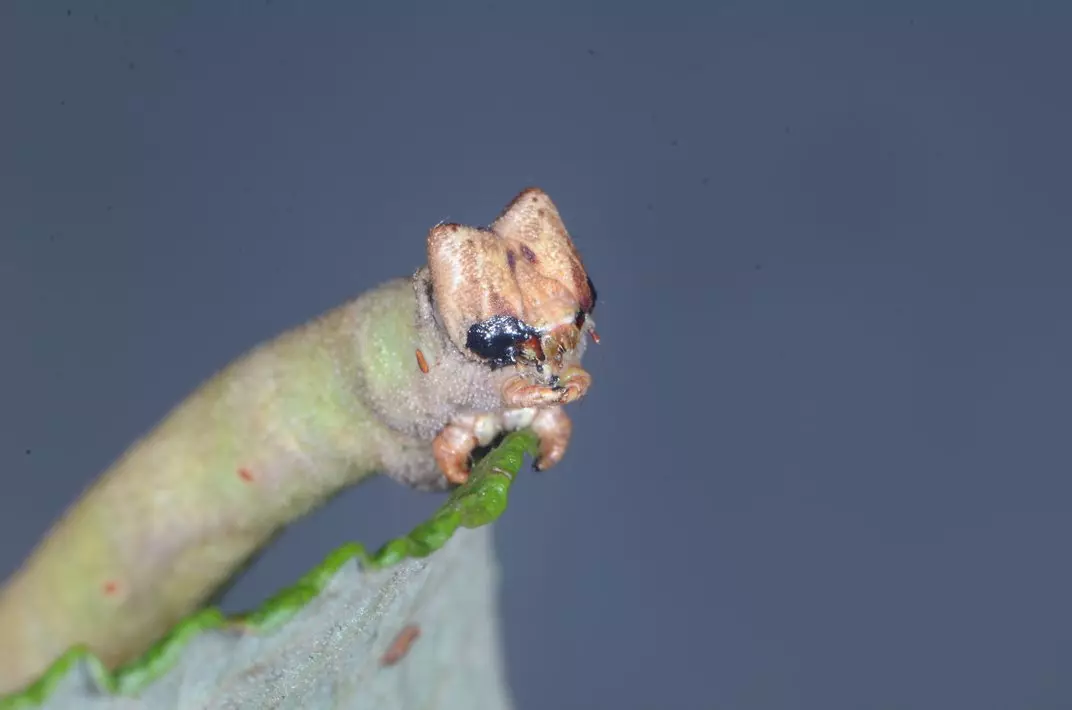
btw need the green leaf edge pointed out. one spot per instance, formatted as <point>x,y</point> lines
<point>477,502</point>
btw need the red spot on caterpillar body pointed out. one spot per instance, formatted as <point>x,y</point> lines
<point>401,645</point>
<point>245,474</point>
<point>421,362</point>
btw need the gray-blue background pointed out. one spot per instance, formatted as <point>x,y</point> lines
<point>825,463</point>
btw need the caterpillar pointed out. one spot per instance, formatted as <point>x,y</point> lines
<point>405,380</point>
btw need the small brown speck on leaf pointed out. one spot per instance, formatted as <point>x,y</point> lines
<point>401,645</point>
<point>421,362</point>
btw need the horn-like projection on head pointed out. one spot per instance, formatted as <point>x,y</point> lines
<point>514,282</point>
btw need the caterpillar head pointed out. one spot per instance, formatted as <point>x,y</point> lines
<point>514,294</point>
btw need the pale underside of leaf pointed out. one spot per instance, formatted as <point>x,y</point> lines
<point>321,643</point>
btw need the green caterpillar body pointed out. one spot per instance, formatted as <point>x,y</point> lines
<point>381,384</point>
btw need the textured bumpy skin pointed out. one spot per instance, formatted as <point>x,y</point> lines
<point>387,383</point>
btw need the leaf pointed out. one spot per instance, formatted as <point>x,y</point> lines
<point>320,642</point>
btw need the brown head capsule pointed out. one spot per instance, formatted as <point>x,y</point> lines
<point>514,293</point>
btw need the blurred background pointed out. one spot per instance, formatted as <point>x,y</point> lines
<point>825,461</point>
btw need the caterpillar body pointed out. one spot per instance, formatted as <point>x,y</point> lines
<point>405,380</point>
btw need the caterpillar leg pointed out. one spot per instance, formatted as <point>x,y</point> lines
<point>455,444</point>
<point>452,448</point>
<point>571,385</point>
<point>554,427</point>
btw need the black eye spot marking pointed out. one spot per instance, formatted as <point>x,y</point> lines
<point>498,338</point>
